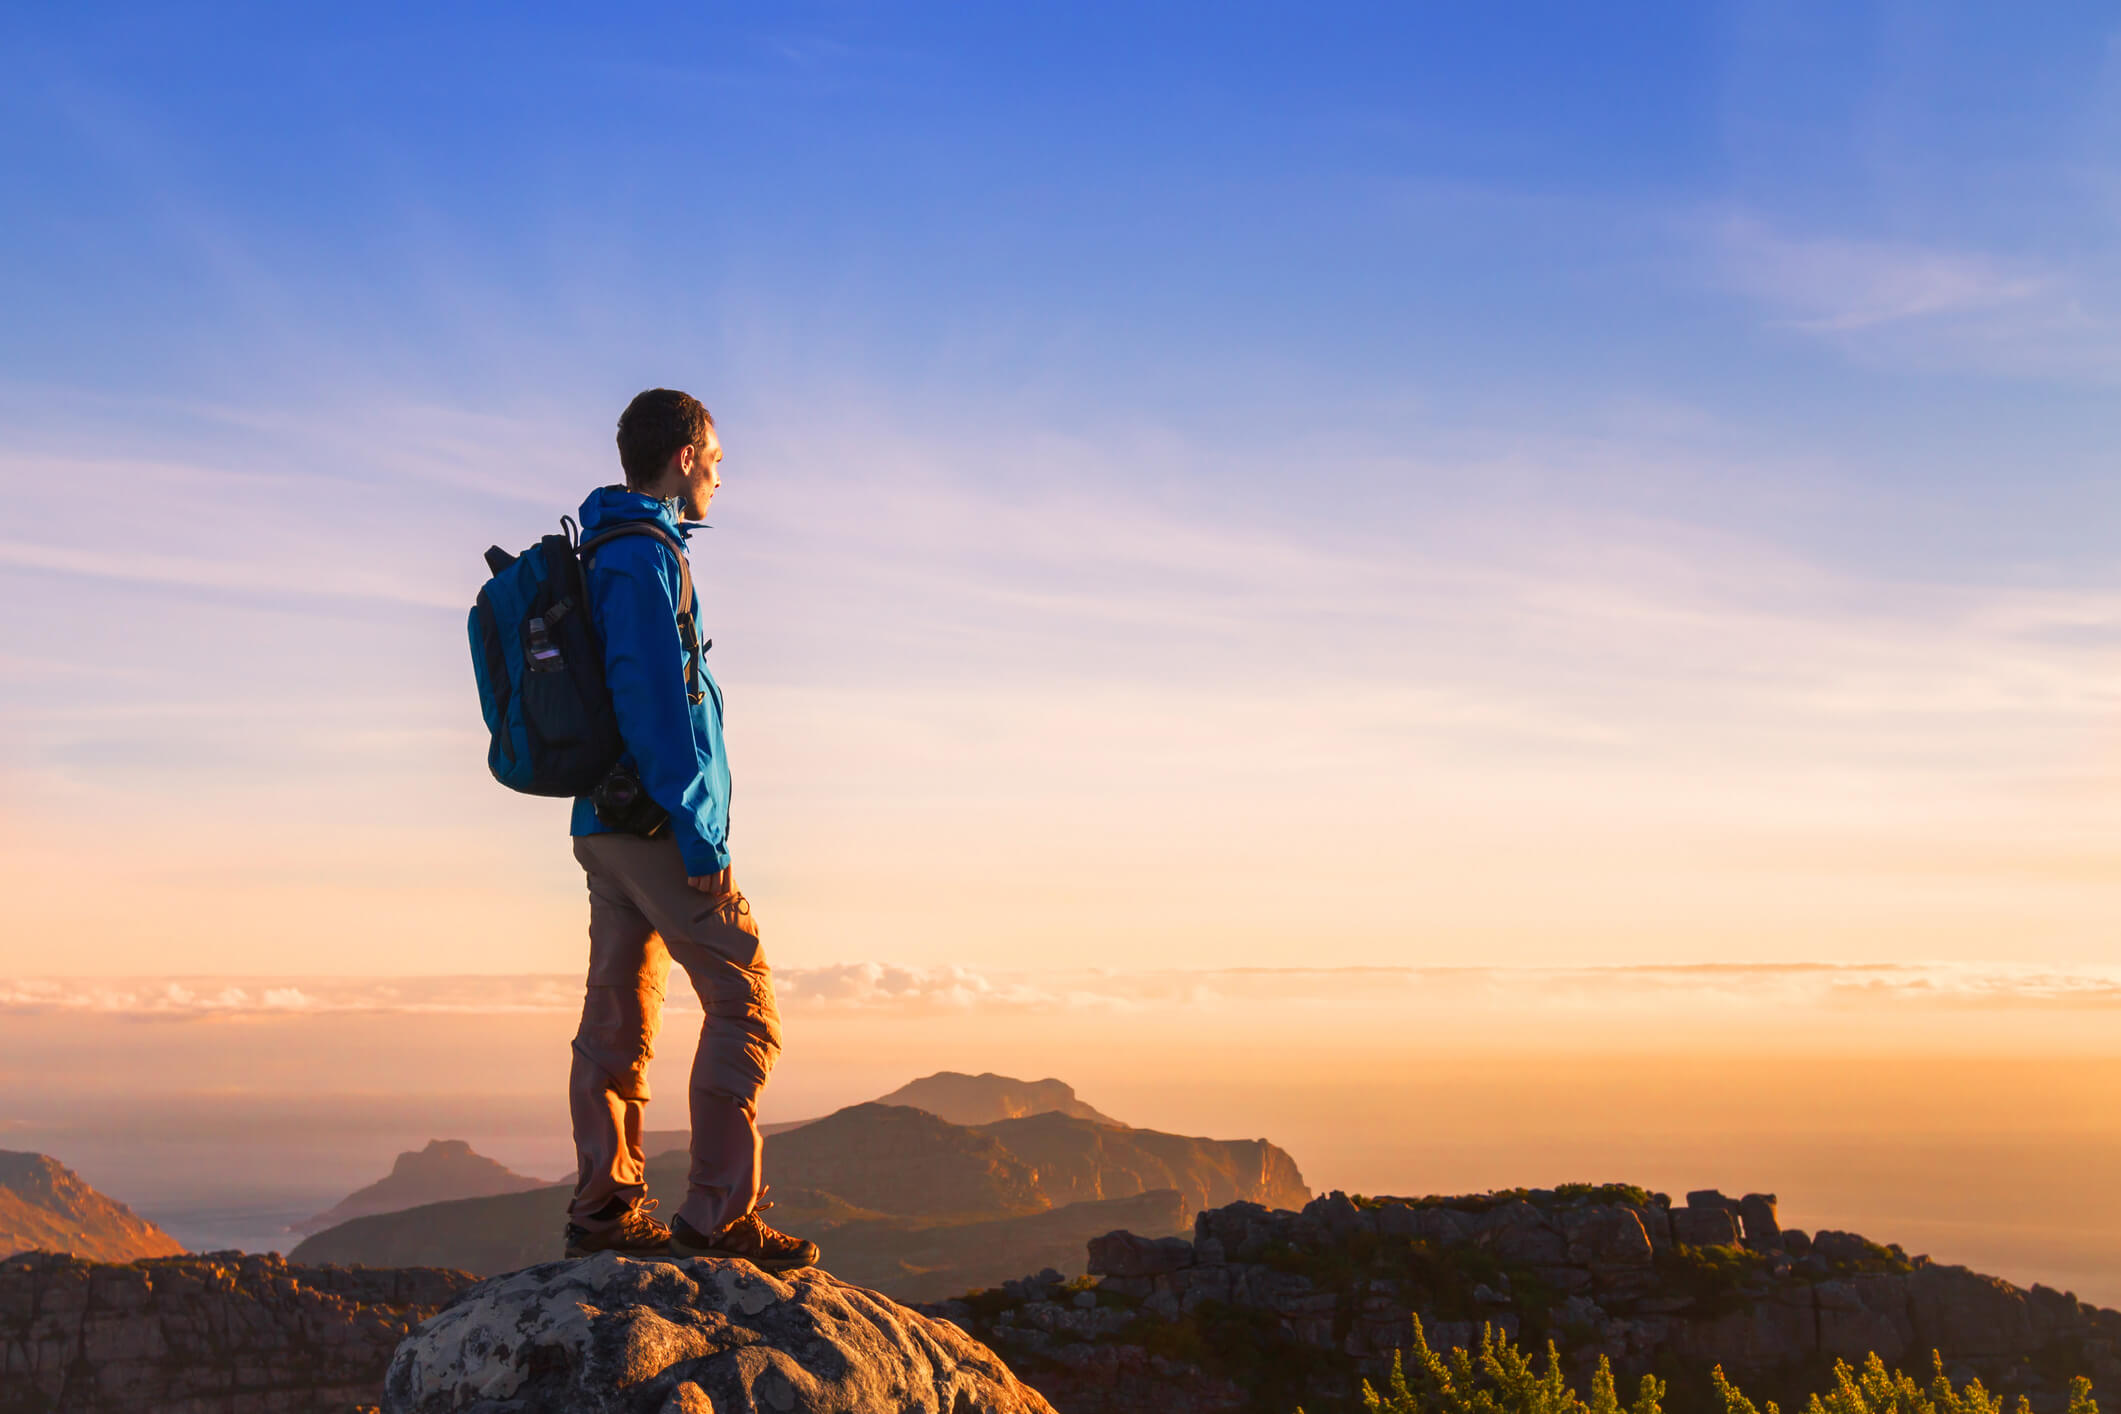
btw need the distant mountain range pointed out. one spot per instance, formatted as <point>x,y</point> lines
<point>947,1094</point>
<point>445,1169</point>
<point>45,1207</point>
<point>900,1198</point>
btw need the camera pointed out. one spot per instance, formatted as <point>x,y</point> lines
<point>622,803</point>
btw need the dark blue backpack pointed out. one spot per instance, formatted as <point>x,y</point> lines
<point>540,666</point>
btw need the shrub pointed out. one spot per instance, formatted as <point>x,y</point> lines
<point>1500,1379</point>
<point>1877,1390</point>
<point>1497,1379</point>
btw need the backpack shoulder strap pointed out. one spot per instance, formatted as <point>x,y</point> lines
<point>688,621</point>
<point>649,528</point>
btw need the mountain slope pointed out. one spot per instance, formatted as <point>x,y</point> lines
<point>930,1263</point>
<point>986,1098</point>
<point>44,1206</point>
<point>445,1169</point>
<point>484,1236</point>
<point>1080,1161</point>
<point>899,1198</point>
<point>907,1162</point>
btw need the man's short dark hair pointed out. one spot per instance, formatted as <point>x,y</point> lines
<point>655,425</point>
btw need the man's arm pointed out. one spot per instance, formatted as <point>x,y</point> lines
<point>644,666</point>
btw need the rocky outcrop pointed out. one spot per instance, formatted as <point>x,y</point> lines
<point>606,1335</point>
<point>45,1207</point>
<point>984,1099</point>
<point>1080,1161</point>
<point>1266,1309</point>
<point>445,1169</point>
<point>209,1333</point>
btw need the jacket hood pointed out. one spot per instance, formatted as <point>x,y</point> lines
<point>611,505</point>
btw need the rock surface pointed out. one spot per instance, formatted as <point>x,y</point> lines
<point>1268,1309</point>
<point>607,1335</point>
<point>45,1207</point>
<point>445,1169</point>
<point>220,1332</point>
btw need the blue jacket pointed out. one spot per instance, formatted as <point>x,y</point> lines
<point>674,744</point>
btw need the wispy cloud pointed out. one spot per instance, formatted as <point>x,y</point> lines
<point>1925,305</point>
<point>1829,284</point>
<point>885,988</point>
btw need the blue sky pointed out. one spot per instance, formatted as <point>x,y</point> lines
<point>1540,484</point>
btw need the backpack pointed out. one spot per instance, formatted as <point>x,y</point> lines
<point>540,666</point>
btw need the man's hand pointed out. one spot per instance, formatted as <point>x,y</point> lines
<point>710,883</point>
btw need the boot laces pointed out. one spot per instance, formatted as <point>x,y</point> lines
<point>762,1232</point>
<point>640,1216</point>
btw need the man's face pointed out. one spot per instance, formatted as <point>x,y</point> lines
<point>700,466</point>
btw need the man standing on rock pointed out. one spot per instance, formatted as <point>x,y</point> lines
<point>654,842</point>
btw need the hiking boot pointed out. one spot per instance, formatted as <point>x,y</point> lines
<point>750,1238</point>
<point>633,1234</point>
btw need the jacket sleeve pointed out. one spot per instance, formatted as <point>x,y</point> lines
<point>644,667</point>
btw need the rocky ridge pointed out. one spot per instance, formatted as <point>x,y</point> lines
<point>606,1335</point>
<point>219,1332</point>
<point>45,1207</point>
<point>1264,1309</point>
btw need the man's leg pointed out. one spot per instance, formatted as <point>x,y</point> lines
<point>622,1008</point>
<point>712,936</point>
<point>740,1038</point>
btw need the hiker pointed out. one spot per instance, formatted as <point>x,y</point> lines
<point>653,839</point>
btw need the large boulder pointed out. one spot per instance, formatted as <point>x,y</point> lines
<point>608,1335</point>
<point>1756,1213</point>
<point>1705,1227</point>
<point>1606,1236</point>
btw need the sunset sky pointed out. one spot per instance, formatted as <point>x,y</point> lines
<point>1208,487</point>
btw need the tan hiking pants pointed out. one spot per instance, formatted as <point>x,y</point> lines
<point>642,917</point>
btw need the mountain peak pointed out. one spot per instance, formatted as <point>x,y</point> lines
<point>987,1098</point>
<point>444,1169</point>
<point>46,1206</point>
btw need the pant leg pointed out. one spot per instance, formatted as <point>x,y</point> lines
<point>740,1038</point>
<point>607,1085</point>
<point>713,937</point>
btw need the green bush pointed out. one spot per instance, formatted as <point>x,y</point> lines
<point>1500,1378</point>
<point>1497,1379</point>
<point>1877,1390</point>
